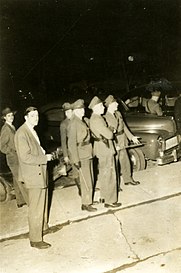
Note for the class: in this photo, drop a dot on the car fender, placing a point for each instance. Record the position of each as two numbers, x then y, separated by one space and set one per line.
151 145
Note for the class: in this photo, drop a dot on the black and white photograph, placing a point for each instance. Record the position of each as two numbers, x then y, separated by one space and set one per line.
90 136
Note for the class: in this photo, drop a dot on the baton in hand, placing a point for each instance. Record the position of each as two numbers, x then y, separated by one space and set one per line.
81 174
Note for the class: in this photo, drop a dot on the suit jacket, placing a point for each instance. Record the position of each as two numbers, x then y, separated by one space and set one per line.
32 160
79 144
122 132
99 128
7 145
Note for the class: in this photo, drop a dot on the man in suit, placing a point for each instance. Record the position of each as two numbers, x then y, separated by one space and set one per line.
122 134
104 151
7 147
80 150
33 173
64 127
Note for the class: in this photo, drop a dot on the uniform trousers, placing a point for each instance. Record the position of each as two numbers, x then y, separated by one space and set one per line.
107 179
122 158
37 213
178 123
86 181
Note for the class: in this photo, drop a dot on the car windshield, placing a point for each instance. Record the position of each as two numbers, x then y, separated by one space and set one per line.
135 99
54 114
123 107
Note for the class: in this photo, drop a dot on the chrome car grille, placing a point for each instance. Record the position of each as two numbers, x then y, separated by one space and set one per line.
171 142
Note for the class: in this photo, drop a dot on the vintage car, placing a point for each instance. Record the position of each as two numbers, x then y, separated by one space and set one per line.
158 137
6 181
157 133
159 141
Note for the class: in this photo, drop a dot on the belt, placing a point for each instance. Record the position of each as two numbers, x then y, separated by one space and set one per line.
120 133
104 140
83 143
97 139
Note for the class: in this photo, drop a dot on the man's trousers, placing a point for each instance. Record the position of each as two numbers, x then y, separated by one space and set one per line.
125 167
107 179
86 181
37 213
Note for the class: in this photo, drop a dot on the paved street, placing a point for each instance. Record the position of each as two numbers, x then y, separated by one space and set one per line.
141 236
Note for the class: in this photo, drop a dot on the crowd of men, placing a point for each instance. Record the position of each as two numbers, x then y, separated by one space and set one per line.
103 136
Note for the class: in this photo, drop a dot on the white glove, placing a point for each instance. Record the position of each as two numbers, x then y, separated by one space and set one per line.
66 159
118 148
135 140
49 157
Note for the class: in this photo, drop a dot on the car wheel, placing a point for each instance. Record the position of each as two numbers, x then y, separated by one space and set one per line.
5 190
137 158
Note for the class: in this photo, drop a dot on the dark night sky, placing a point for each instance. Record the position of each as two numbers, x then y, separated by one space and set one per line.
47 44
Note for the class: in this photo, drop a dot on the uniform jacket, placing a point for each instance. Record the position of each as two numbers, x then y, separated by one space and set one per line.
64 135
99 128
32 160
153 107
79 144
7 145
122 132
177 113
177 109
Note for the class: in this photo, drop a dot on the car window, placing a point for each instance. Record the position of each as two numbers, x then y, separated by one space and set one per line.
170 101
132 102
54 114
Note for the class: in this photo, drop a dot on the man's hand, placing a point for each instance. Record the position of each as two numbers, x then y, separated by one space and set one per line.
112 129
67 160
77 165
135 140
49 157
118 148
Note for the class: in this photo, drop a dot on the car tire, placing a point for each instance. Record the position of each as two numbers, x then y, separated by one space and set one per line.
5 190
137 159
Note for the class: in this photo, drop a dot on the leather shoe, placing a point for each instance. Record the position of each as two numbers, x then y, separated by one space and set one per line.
40 245
113 205
134 183
101 200
88 208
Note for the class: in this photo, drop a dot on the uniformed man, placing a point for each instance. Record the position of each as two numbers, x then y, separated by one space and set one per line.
64 125
104 151
177 113
152 106
80 150
122 134
67 107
